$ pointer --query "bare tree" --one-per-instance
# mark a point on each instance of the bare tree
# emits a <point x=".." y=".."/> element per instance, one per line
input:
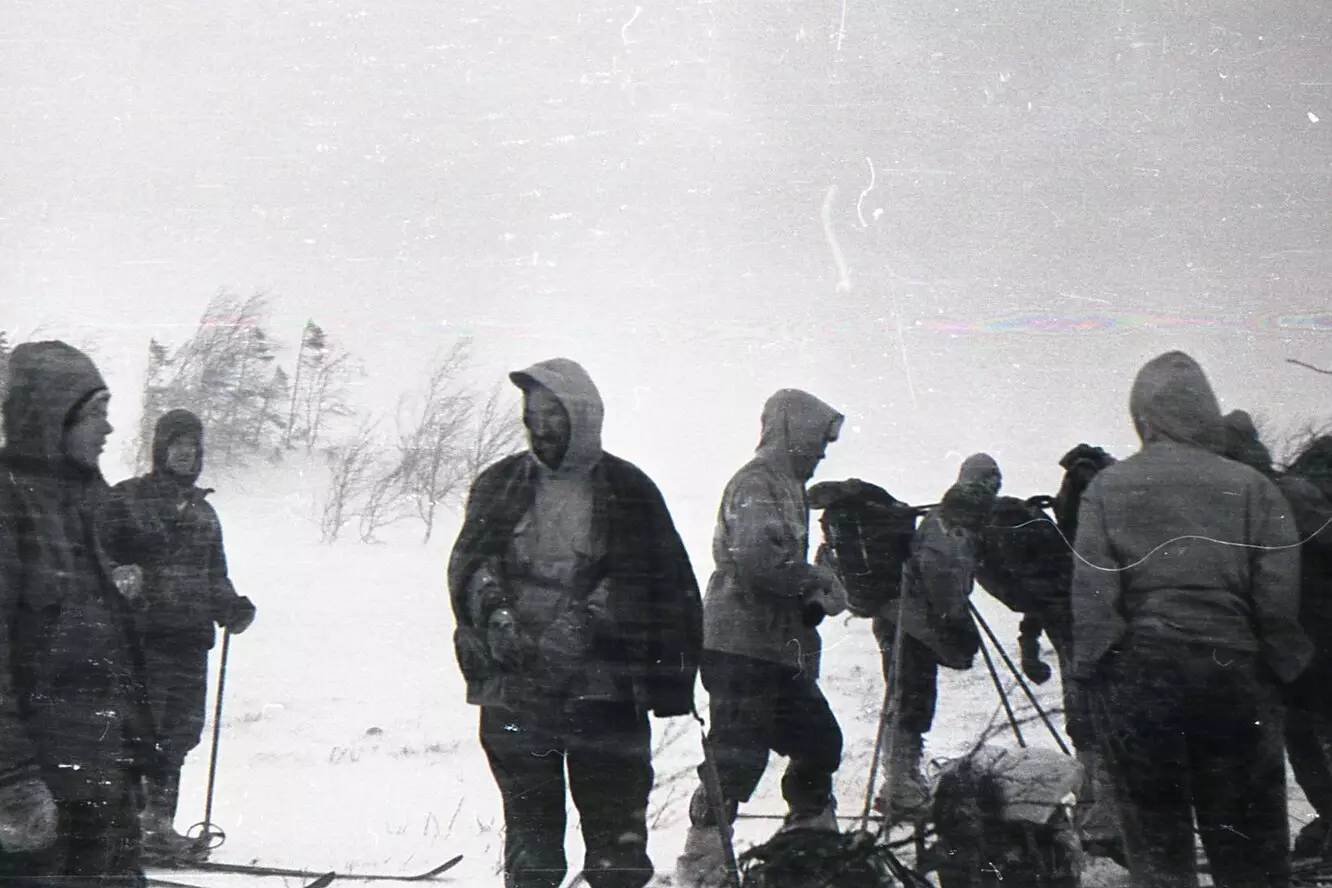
<point x="497" y="431"/>
<point x="319" y="387"/>
<point x="350" y="467"/>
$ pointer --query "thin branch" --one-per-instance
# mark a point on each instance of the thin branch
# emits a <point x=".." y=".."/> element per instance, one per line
<point x="1308" y="366"/>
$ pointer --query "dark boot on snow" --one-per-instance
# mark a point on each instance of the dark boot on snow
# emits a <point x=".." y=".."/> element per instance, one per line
<point x="162" y="845"/>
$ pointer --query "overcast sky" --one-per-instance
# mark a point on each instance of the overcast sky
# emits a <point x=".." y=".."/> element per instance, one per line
<point x="1026" y="213"/>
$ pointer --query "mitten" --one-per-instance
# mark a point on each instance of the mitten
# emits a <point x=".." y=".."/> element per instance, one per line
<point x="1032" y="665"/>
<point x="505" y="640"/>
<point x="129" y="581"/>
<point x="239" y="616"/>
<point x="27" y="816"/>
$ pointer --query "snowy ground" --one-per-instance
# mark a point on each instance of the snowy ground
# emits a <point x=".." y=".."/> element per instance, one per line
<point x="346" y="743"/>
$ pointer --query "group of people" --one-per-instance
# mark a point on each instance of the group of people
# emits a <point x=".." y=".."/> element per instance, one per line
<point x="1189" y="629"/>
<point x="110" y="599"/>
<point x="1184" y="629"/>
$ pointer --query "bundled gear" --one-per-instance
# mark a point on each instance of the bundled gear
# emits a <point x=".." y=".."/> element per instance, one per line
<point x="814" y="858"/>
<point x="1005" y="817"/>
<point x="867" y="535"/>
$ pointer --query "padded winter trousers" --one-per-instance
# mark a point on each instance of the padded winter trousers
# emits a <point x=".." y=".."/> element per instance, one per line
<point x="1309" y="737"/>
<point x="1192" y="730"/>
<point x="757" y="707"/>
<point x="1077" y="721"/>
<point x="607" y="751"/>
<point x="177" y="684"/>
<point x="919" y="678"/>
<point x="97" y="846"/>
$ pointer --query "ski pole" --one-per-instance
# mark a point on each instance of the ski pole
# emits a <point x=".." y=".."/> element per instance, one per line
<point x="712" y="786"/>
<point x="1022" y="682"/>
<point x="889" y="717"/>
<point x="1003" y="697"/>
<point x="208" y="828"/>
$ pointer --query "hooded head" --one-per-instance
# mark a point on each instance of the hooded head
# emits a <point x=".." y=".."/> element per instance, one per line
<point x="797" y="429"/>
<point x="980" y="470"/>
<point x="563" y="413"/>
<point x="1173" y="401"/>
<point x="1243" y="444"/>
<point x="178" y="446"/>
<point x="55" y="411"/>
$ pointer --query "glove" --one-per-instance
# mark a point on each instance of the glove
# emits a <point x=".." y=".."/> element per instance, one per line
<point x="505" y="640"/>
<point x="239" y="616"/>
<point x="1032" y="665"/>
<point x="28" y="818"/>
<point x="822" y="595"/>
<point x="129" y="580"/>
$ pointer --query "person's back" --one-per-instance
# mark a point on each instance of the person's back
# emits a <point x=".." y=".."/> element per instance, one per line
<point x="1173" y="515"/>
<point x="1185" y="606"/>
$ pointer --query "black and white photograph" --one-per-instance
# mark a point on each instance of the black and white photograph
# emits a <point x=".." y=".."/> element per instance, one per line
<point x="701" y="444"/>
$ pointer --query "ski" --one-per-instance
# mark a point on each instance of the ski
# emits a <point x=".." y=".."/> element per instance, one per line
<point x="322" y="882"/>
<point x="257" y="870"/>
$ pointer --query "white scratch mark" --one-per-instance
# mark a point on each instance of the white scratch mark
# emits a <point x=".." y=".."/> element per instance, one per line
<point x="1313" y="118"/>
<point x="861" y="200"/>
<point x="633" y="18"/>
<point x="906" y="361"/>
<point x="841" y="28"/>
<point x="843" y="280"/>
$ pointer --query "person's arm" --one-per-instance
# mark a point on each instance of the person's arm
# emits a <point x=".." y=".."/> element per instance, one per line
<point x="1274" y="570"/>
<point x="1097" y="593"/>
<point x="765" y="552"/>
<point x="231" y="610"/>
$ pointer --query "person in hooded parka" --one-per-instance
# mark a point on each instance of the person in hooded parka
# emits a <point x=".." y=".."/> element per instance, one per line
<point x="578" y="615"/>
<point x="762" y="647"/>
<point x="937" y="627"/>
<point x="1185" y="627"/>
<point x="75" y="732"/>
<point x="162" y="524"/>
<point x="1307" y="485"/>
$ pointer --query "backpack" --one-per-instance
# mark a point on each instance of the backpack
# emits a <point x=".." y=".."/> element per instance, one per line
<point x="1025" y="562"/>
<point x="820" y="858"/>
<point x="1003" y="817"/>
<point x="867" y="535"/>
<point x="1080" y="465"/>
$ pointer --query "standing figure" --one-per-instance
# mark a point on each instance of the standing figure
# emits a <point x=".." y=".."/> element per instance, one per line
<point x="578" y="614"/>
<point x="761" y="644"/>
<point x="75" y="734"/>
<point x="1306" y="484"/>
<point x="937" y="626"/>
<point x="1185" y="625"/>
<point x="162" y="525"/>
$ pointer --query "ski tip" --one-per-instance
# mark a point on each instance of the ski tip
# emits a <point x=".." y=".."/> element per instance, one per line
<point x="443" y="868"/>
<point x="323" y="881"/>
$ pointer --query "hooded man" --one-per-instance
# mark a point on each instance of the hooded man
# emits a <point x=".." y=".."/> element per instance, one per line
<point x="761" y="645"/>
<point x="1185" y="624"/>
<point x="577" y="614"/>
<point x="75" y="733"/>
<point x="937" y="626"/>
<point x="162" y="524"/>
<point x="1308" y="729"/>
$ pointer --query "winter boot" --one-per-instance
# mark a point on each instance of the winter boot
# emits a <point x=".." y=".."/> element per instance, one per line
<point x="161" y="843"/>
<point x="906" y="795"/>
<point x="703" y="862"/>
<point x="825" y="819"/>
<point x="1098" y="820"/>
<point x="1314" y="841"/>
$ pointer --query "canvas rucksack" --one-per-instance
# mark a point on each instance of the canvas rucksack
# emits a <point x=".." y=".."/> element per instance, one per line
<point x="820" y="858"/>
<point x="867" y="535"/>
<point x="1025" y="562"/>
<point x="1004" y="817"/>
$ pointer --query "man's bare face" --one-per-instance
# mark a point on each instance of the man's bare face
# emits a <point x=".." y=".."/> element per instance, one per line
<point x="548" y="427"/>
